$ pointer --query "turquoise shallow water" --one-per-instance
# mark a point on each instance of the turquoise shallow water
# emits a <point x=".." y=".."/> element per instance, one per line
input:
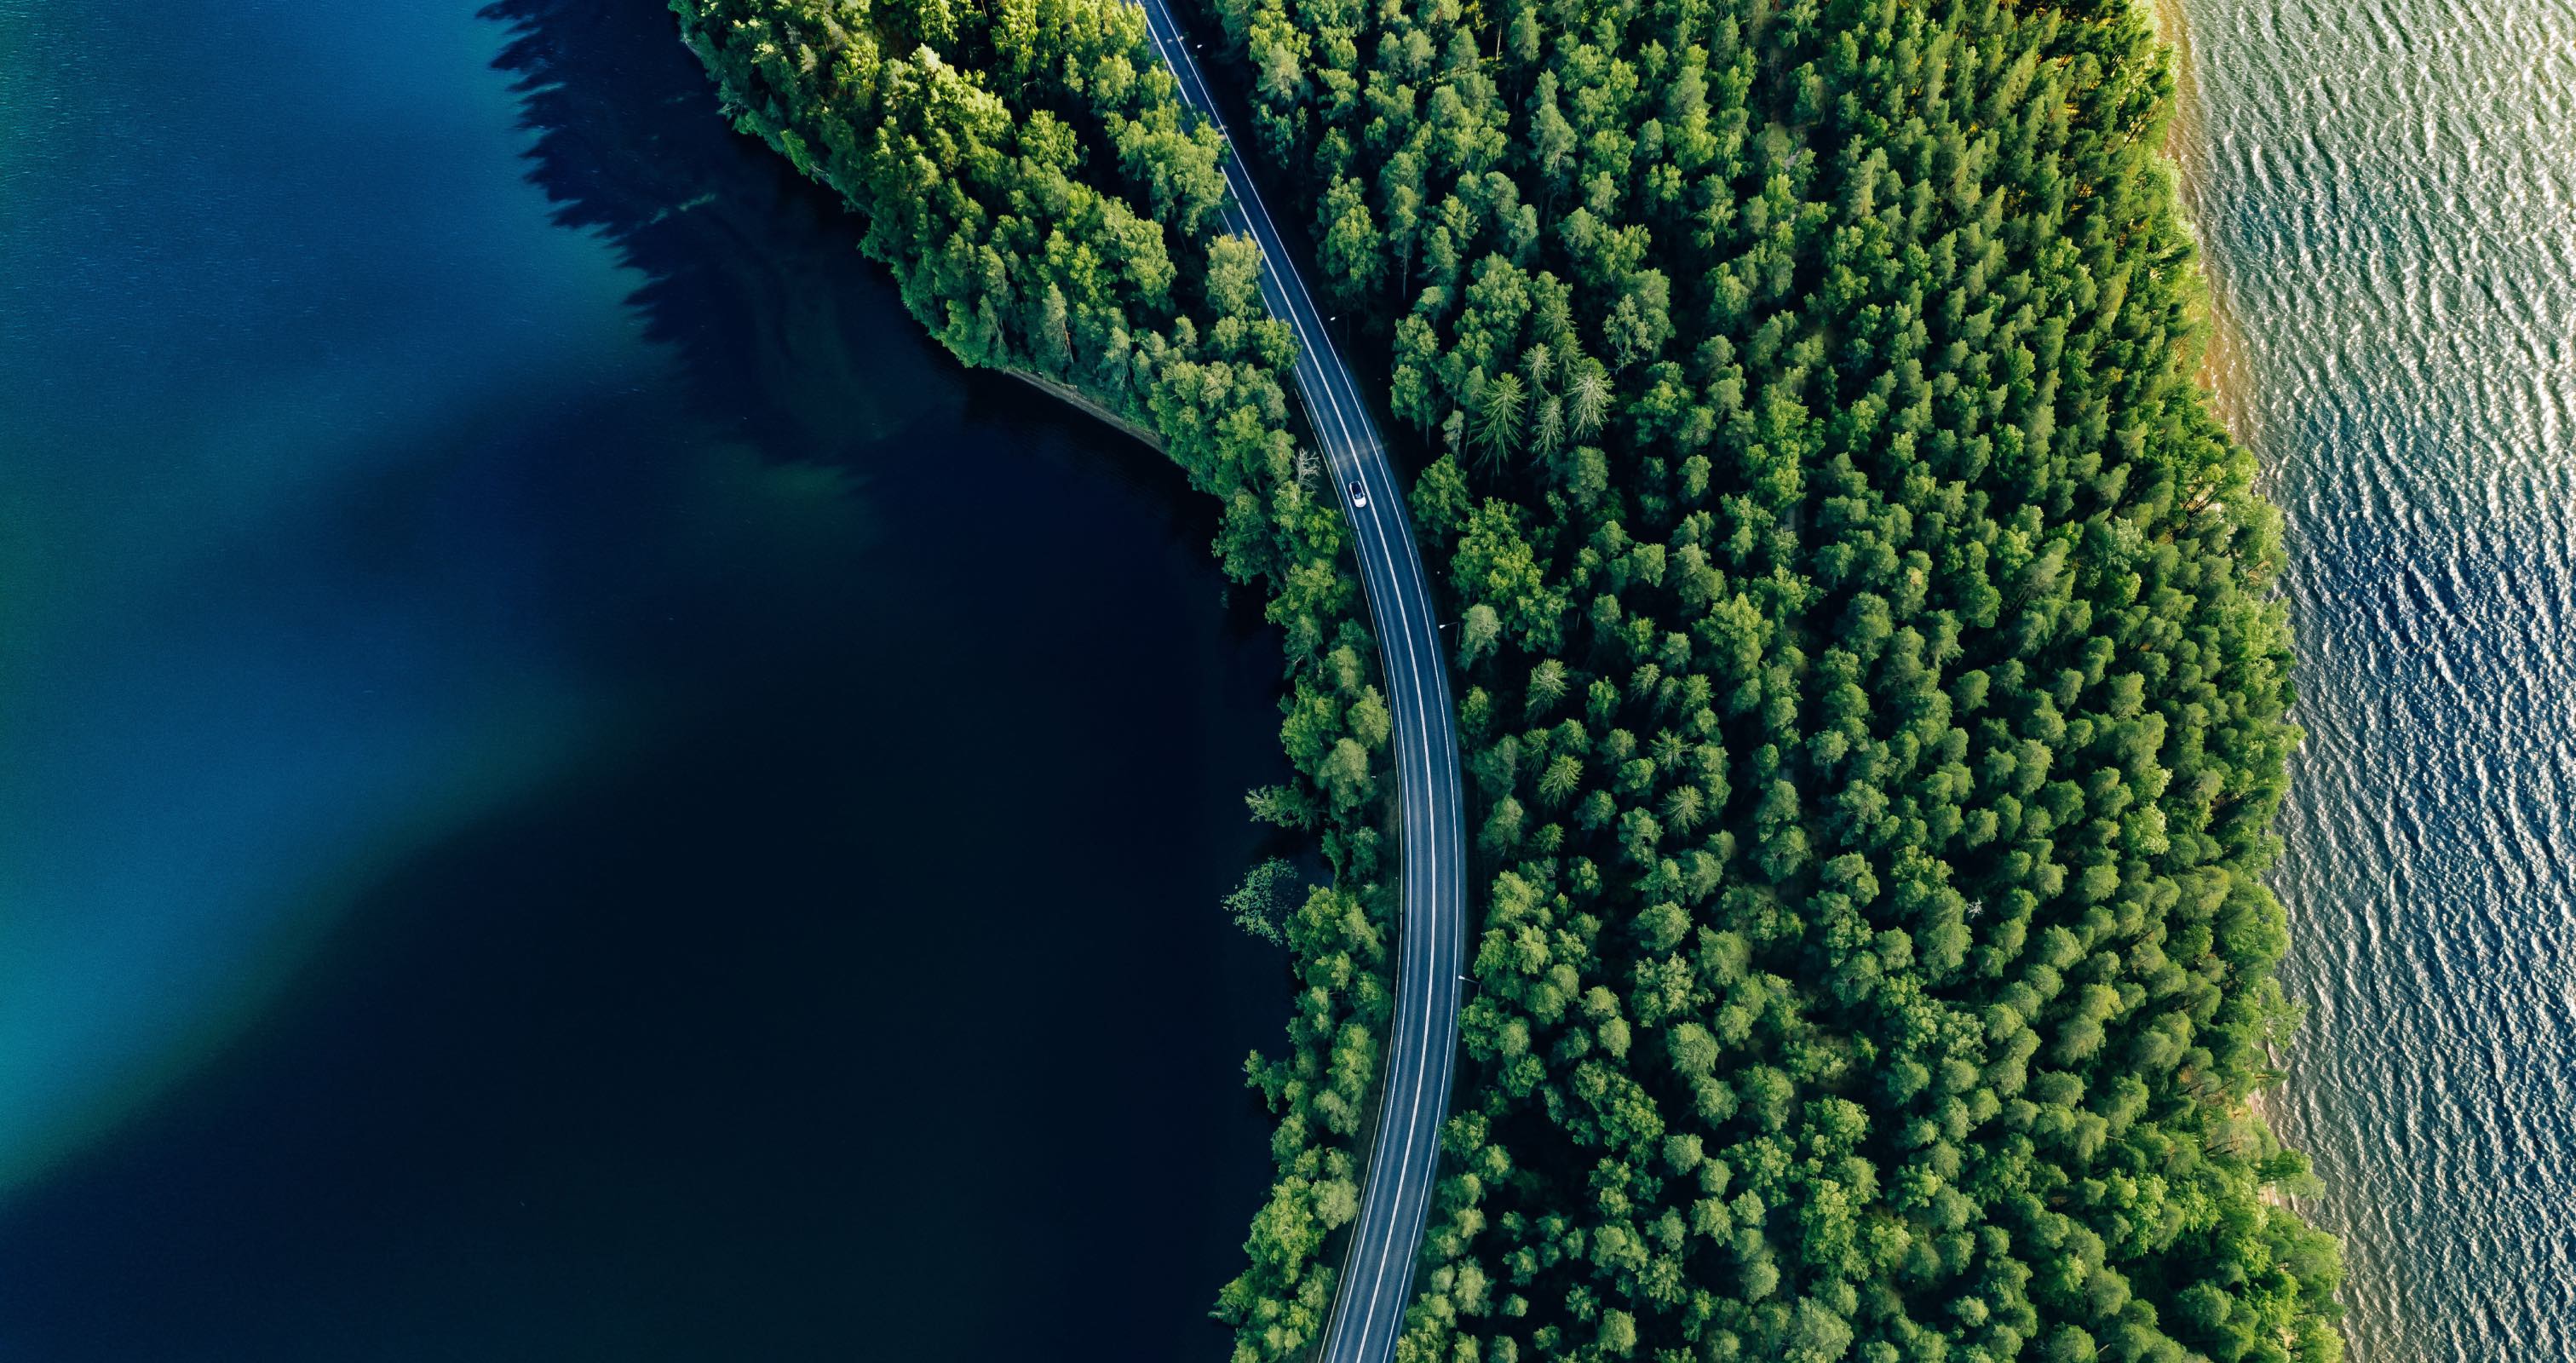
<point x="225" y="691"/>
<point x="569" y="786"/>
<point x="2387" y="193"/>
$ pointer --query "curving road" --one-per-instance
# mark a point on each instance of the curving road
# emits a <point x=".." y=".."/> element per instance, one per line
<point x="1395" y="1201"/>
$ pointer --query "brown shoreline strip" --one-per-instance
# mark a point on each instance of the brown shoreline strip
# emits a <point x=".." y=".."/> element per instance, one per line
<point x="1058" y="389"/>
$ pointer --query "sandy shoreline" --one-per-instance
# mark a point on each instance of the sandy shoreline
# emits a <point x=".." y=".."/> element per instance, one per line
<point x="2221" y="370"/>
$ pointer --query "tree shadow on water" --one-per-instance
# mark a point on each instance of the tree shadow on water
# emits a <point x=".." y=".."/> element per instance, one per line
<point x="788" y="336"/>
<point x="750" y="273"/>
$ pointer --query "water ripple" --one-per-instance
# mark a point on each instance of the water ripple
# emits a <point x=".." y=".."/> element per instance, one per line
<point x="2387" y="193"/>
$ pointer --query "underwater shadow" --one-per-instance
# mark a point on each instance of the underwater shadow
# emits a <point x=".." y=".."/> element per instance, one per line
<point x="788" y="336"/>
<point x="748" y="272"/>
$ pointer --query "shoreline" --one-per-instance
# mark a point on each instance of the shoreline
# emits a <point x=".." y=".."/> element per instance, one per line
<point x="1065" y="392"/>
<point x="2219" y="368"/>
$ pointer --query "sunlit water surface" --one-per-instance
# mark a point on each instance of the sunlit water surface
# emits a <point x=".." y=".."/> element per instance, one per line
<point x="570" y="788"/>
<point x="2387" y="192"/>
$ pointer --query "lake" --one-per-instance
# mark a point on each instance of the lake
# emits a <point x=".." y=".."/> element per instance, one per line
<point x="574" y="788"/>
<point x="2387" y="194"/>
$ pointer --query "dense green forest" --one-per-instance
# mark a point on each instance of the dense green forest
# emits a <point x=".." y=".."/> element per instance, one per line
<point x="1874" y="697"/>
<point x="1876" y="702"/>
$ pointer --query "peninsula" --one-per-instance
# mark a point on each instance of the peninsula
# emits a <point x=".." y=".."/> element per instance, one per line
<point x="1868" y="686"/>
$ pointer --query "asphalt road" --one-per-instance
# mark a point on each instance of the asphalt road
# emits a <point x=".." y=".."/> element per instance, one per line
<point x="1395" y="1200"/>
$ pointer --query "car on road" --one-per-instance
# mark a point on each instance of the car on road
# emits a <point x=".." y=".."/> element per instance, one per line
<point x="1359" y="496"/>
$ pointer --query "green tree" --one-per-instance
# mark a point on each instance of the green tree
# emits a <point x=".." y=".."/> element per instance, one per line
<point x="1498" y="422"/>
<point x="1350" y="250"/>
<point x="1260" y="905"/>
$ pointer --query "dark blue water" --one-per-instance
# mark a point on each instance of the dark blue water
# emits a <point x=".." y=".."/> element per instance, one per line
<point x="569" y="788"/>
<point x="2387" y="193"/>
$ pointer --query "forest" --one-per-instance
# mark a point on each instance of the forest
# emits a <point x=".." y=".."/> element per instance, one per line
<point x="1873" y="687"/>
<point x="1877" y="703"/>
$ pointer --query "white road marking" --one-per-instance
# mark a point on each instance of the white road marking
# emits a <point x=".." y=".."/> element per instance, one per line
<point x="1425" y="943"/>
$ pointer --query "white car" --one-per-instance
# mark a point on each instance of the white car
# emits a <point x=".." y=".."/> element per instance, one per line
<point x="1359" y="496"/>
